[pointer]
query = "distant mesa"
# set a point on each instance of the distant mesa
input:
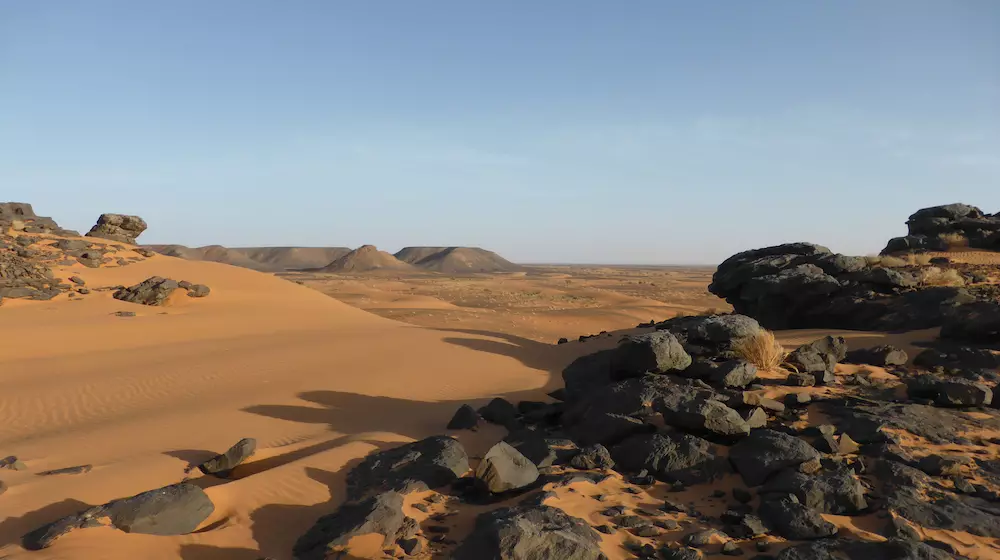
(365, 259)
(265, 259)
(456, 260)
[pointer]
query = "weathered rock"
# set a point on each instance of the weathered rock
(118, 227)
(221, 465)
(465, 418)
(755, 418)
(152, 291)
(426, 464)
(380, 514)
(734, 373)
(669, 457)
(879, 356)
(765, 452)
(172, 510)
(792, 520)
(534, 446)
(656, 352)
(593, 457)
(704, 416)
(499, 411)
(78, 469)
(819, 357)
(503, 469)
(958, 393)
(198, 291)
(974, 322)
(843, 549)
(712, 336)
(836, 492)
(944, 465)
(606, 429)
(535, 532)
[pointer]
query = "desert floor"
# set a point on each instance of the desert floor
(543, 304)
(319, 383)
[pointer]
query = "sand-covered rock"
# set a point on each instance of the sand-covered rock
(222, 464)
(766, 452)
(151, 291)
(429, 463)
(381, 514)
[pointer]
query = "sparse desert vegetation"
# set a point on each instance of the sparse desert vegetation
(762, 350)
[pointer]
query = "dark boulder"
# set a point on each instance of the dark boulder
(499, 411)
(380, 514)
(973, 322)
(837, 492)
(733, 373)
(765, 452)
(606, 429)
(819, 357)
(152, 291)
(655, 352)
(880, 356)
(529, 532)
(712, 336)
(593, 457)
(792, 520)
(703, 416)
(465, 418)
(669, 457)
(172, 510)
(426, 464)
(221, 465)
(843, 549)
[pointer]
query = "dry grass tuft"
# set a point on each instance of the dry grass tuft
(954, 240)
(761, 350)
(934, 276)
(900, 261)
(873, 260)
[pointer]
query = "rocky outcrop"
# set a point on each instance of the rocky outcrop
(801, 285)
(933, 229)
(151, 291)
(426, 464)
(381, 514)
(118, 227)
(20, 217)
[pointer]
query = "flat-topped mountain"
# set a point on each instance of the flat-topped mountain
(366, 258)
(268, 259)
(454, 260)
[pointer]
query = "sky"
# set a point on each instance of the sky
(640, 132)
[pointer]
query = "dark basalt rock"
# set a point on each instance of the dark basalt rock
(792, 520)
(524, 532)
(669, 457)
(843, 549)
(465, 418)
(837, 492)
(426, 464)
(765, 452)
(504, 468)
(380, 514)
(221, 465)
(118, 227)
(655, 352)
(152, 291)
(879, 356)
(172, 510)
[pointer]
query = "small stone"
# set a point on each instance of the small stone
(846, 445)
(465, 418)
(731, 549)
(198, 291)
(811, 466)
(800, 380)
(125, 313)
(80, 469)
(962, 485)
(606, 529)
(742, 495)
(410, 546)
(77, 280)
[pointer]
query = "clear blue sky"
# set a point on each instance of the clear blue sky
(647, 131)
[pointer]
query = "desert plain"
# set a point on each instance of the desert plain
(325, 366)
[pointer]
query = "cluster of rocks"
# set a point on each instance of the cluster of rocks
(20, 217)
(930, 229)
(801, 285)
(156, 290)
(31, 246)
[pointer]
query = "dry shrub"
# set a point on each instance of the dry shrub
(934, 276)
(873, 260)
(954, 240)
(921, 259)
(761, 350)
(894, 262)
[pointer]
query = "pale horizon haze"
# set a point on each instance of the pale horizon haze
(644, 132)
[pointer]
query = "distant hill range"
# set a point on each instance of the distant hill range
(366, 258)
(446, 260)
(265, 259)
(456, 260)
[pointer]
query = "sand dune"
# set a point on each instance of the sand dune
(317, 382)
